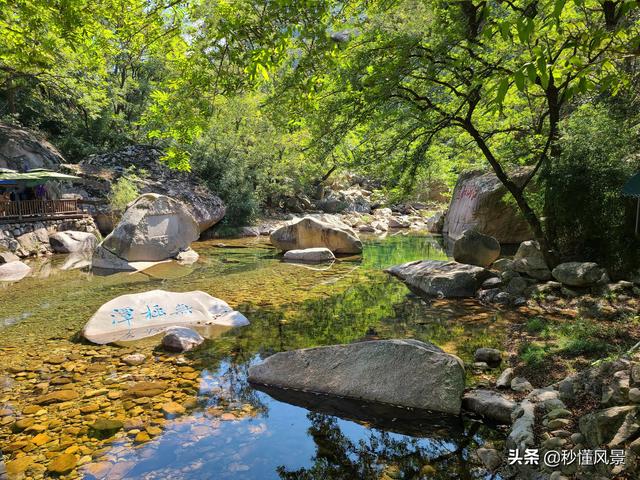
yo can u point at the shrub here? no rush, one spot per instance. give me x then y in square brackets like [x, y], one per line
[585, 210]
[124, 191]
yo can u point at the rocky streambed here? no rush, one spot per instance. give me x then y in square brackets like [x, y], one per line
[73, 409]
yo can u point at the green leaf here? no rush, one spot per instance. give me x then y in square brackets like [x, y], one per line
[558, 7]
[503, 87]
[520, 80]
[262, 70]
[532, 73]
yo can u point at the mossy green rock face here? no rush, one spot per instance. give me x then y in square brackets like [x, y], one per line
[105, 428]
[406, 373]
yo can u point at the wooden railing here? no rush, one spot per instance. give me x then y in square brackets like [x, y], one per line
[38, 208]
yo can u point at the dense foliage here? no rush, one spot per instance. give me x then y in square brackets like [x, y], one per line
[262, 98]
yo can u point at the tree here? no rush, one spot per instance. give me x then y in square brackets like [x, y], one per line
[499, 74]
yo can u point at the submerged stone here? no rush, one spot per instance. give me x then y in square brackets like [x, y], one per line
[63, 464]
[105, 428]
[57, 397]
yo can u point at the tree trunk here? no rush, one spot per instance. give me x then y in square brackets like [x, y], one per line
[546, 246]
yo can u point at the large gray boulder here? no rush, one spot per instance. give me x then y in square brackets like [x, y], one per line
[100, 172]
[71, 241]
[312, 232]
[478, 203]
[530, 261]
[438, 278]
[474, 248]
[579, 274]
[23, 150]
[404, 373]
[153, 228]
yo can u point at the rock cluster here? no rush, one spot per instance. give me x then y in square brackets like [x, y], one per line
[33, 238]
[555, 418]
[527, 276]
[100, 172]
[78, 410]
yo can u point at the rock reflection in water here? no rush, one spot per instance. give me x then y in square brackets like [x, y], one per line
[307, 437]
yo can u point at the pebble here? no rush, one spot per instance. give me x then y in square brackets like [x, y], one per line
[63, 464]
[172, 409]
[134, 359]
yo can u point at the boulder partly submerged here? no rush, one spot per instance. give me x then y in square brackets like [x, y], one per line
[140, 315]
[309, 255]
[310, 232]
[154, 228]
[71, 241]
[406, 373]
[437, 278]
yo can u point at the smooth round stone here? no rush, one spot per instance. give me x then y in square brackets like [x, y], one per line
[134, 359]
[181, 339]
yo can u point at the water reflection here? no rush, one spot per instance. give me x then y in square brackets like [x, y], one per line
[319, 440]
[238, 432]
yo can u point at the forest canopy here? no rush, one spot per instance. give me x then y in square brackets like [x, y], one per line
[263, 98]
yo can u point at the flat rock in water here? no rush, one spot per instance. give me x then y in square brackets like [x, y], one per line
[71, 242]
[13, 271]
[310, 255]
[405, 373]
[490, 405]
[438, 278]
[140, 315]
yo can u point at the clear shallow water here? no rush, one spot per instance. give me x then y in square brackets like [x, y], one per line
[284, 441]
[289, 306]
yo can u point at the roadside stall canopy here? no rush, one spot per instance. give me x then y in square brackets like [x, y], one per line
[632, 189]
[32, 178]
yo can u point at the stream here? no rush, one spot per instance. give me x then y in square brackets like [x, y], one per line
[229, 429]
